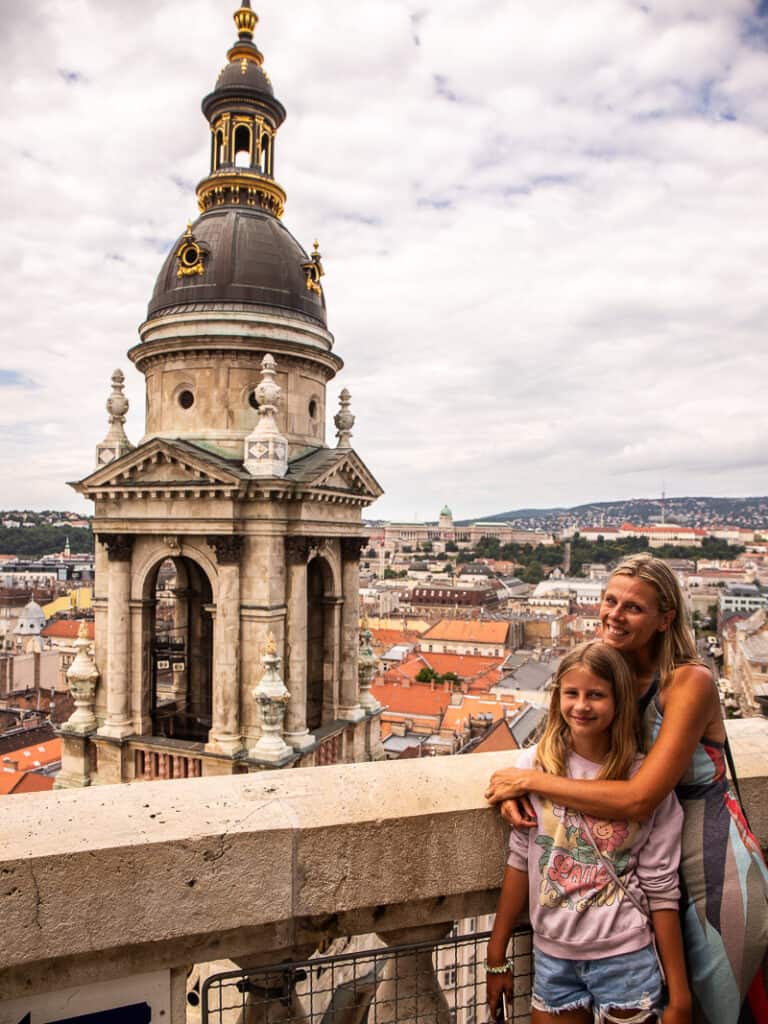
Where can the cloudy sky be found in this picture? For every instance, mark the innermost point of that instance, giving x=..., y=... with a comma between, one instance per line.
x=543, y=225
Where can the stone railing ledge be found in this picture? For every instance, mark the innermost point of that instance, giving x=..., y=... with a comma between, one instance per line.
x=172, y=872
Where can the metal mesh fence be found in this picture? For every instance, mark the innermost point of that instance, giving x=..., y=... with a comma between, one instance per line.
x=424, y=983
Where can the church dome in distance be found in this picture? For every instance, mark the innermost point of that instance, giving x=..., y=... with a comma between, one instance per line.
x=247, y=257
x=31, y=621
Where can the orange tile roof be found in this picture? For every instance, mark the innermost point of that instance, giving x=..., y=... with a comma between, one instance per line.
x=480, y=673
x=391, y=637
x=67, y=629
x=468, y=631
x=24, y=782
x=498, y=737
x=457, y=718
x=36, y=756
x=411, y=700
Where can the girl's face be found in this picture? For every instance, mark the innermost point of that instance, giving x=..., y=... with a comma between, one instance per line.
x=588, y=706
x=630, y=619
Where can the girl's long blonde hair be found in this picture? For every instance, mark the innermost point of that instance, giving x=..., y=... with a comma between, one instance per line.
x=675, y=646
x=609, y=666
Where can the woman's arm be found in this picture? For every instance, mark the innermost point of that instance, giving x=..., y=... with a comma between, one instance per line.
x=688, y=708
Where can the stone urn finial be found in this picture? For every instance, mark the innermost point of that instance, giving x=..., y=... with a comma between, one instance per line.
x=344, y=420
x=115, y=443
x=266, y=450
x=82, y=676
x=272, y=698
x=366, y=669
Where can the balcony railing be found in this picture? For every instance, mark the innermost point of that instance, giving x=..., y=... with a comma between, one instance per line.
x=136, y=883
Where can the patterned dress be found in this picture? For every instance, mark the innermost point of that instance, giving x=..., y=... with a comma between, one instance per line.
x=724, y=905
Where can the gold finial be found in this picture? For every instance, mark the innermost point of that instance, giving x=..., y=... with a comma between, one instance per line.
x=246, y=20
x=317, y=247
x=271, y=648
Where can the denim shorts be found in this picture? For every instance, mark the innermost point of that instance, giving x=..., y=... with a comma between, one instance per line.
x=624, y=982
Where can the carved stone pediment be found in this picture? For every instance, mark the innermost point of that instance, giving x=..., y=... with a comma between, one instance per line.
x=160, y=465
x=347, y=474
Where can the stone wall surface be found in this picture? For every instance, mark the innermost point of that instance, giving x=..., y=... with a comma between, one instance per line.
x=97, y=882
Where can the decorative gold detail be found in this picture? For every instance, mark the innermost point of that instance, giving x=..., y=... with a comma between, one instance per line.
x=246, y=51
x=243, y=65
x=271, y=648
x=225, y=186
x=246, y=21
x=191, y=255
x=314, y=271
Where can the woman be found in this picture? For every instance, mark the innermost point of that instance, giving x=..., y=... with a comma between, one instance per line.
x=724, y=878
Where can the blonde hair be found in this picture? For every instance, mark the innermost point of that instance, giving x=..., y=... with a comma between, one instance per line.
x=676, y=645
x=608, y=665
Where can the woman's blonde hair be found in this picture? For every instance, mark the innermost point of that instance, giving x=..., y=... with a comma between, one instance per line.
x=607, y=664
x=675, y=646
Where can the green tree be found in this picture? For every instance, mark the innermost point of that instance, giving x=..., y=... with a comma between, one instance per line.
x=533, y=573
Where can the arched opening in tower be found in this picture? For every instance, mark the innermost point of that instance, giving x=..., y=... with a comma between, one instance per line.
x=266, y=154
x=243, y=146
x=180, y=652
x=319, y=643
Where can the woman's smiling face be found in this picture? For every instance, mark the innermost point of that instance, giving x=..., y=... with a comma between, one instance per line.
x=629, y=614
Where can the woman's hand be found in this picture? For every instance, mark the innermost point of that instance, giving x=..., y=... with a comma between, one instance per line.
x=508, y=784
x=508, y=787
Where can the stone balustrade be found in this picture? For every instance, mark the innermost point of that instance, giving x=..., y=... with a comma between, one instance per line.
x=115, y=881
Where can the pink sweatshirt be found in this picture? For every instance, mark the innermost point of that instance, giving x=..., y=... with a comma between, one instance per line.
x=575, y=909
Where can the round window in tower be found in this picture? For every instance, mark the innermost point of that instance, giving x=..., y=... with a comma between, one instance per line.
x=253, y=400
x=186, y=399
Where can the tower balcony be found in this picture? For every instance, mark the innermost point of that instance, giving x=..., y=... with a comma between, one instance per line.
x=115, y=891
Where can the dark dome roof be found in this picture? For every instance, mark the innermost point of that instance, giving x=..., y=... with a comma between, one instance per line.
x=252, y=258
x=244, y=75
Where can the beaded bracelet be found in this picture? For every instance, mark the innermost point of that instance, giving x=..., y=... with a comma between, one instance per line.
x=501, y=969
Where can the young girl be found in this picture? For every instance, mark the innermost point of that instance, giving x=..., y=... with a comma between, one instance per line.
x=597, y=890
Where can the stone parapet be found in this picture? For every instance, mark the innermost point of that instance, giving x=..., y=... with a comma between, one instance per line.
x=112, y=881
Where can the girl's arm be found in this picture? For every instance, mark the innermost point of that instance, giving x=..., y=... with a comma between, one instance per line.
x=669, y=942
x=687, y=710
x=512, y=900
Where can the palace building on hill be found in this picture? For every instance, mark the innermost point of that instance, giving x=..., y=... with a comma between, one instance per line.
x=228, y=539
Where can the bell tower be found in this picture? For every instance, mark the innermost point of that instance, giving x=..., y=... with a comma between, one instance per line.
x=229, y=537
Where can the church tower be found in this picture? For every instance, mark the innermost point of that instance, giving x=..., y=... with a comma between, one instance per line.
x=229, y=538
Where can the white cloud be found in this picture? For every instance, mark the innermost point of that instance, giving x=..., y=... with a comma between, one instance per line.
x=542, y=229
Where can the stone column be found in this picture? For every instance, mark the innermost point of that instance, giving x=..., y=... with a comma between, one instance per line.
x=332, y=659
x=119, y=721
x=349, y=700
x=410, y=992
x=224, y=737
x=296, y=555
x=142, y=622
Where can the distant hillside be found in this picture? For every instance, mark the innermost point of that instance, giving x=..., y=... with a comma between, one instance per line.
x=689, y=511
